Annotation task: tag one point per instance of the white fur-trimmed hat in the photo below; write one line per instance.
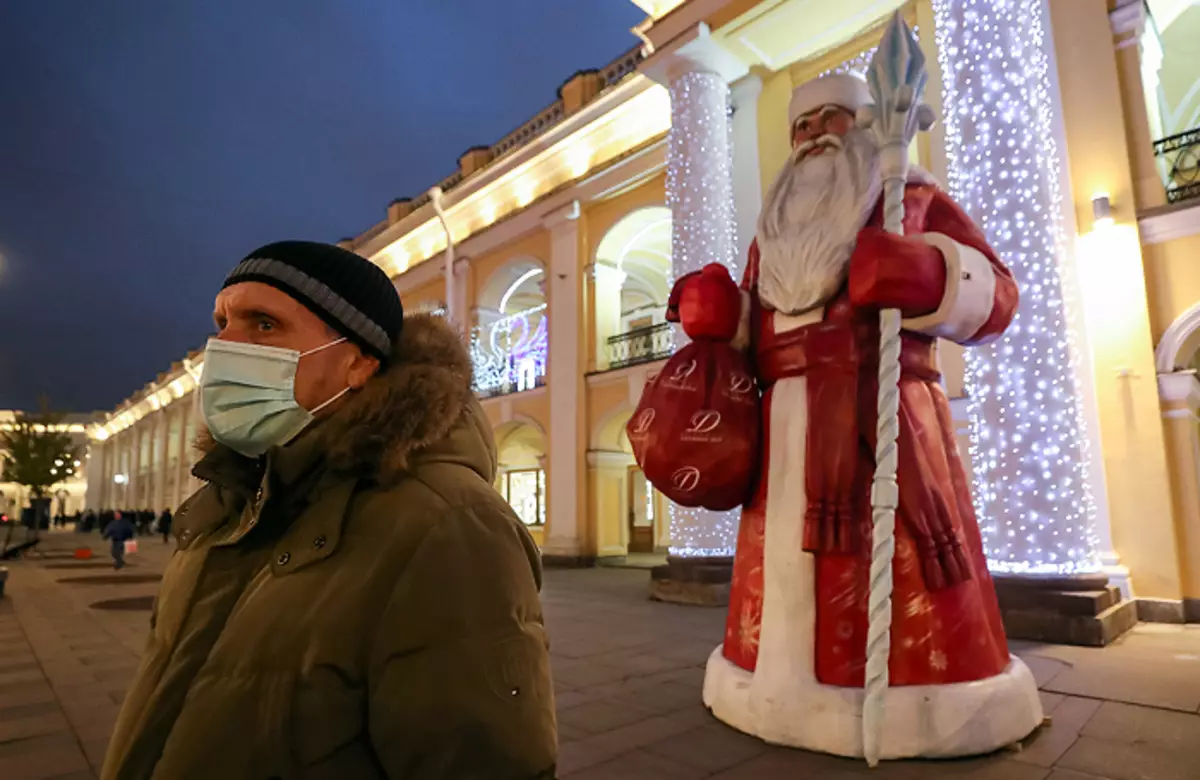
(839, 89)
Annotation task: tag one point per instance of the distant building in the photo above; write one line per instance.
(14, 497)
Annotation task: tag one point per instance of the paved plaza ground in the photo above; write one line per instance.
(627, 672)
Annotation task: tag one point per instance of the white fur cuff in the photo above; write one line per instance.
(969, 296)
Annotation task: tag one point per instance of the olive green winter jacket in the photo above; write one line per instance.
(358, 604)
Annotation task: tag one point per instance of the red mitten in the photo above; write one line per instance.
(888, 271)
(707, 303)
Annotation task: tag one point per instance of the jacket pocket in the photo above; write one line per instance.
(329, 727)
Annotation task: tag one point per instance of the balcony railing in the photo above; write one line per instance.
(509, 355)
(642, 345)
(1180, 155)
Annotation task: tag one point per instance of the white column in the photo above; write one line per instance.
(133, 481)
(158, 461)
(95, 471)
(1033, 436)
(747, 176)
(607, 281)
(567, 491)
(459, 303)
(701, 195)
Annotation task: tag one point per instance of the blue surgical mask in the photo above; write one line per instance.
(248, 395)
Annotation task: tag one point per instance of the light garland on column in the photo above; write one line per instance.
(700, 195)
(1029, 447)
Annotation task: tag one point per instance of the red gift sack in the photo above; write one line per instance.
(695, 433)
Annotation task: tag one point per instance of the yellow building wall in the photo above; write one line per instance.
(535, 244)
(602, 215)
(1172, 279)
(604, 400)
(1116, 312)
(774, 142)
(432, 292)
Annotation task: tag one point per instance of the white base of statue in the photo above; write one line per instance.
(925, 721)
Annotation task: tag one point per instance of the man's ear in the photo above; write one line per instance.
(362, 368)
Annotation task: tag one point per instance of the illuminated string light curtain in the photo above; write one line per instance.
(510, 354)
(700, 195)
(1029, 448)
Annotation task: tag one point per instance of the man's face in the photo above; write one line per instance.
(256, 313)
(826, 120)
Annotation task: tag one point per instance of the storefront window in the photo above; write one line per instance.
(525, 491)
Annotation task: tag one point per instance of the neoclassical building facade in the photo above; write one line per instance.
(1070, 131)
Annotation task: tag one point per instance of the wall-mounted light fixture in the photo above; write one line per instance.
(1101, 211)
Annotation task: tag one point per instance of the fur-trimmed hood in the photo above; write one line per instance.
(419, 408)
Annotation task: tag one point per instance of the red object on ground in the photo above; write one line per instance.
(696, 431)
(83, 553)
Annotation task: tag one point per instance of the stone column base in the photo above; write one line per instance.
(700, 582)
(567, 561)
(1077, 610)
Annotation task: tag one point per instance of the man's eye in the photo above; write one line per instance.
(802, 126)
(266, 326)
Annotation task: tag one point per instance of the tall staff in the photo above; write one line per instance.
(896, 80)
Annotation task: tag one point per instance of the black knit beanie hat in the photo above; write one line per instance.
(350, 293)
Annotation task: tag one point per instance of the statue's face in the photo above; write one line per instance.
(826, 120)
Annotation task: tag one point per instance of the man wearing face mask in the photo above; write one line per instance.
(350, 597)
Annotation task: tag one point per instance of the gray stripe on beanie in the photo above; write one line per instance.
(320, 294)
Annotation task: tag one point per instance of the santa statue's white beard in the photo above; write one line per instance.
(811, 219)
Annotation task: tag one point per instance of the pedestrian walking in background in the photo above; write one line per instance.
(119, 531)
(164, 525)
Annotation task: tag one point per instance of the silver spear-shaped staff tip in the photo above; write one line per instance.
(896, 80)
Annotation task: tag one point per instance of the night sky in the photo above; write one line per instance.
(147, 145)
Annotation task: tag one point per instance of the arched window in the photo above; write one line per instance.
(632, 280)
(509, 343)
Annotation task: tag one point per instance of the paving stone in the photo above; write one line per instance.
(599, 748)
(1050, 701)
(604, 715)
(21, 694)
(1048, 744)
(1071, 774)
(19, 664)
(17, 712)
(665, 698)
(94, 750)
(639, 765)
(30, 673)
(1156, 684)
(14, 729)
(1044, 669)
(784, 764)
(46, 764)
(1125, 761)
(37, 744)
(1128, 723)
(712, 747)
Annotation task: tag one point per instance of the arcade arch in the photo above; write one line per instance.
(521, 469)
(629, 515)
(632, 280)
(509, 342)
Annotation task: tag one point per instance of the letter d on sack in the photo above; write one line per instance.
(704, 421)
(642, 422)
(686, 479)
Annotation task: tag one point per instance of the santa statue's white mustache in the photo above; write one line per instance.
(832, 140)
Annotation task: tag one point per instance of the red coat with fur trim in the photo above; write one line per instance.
(948, 283)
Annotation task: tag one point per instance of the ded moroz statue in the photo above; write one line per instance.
(791, 668)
